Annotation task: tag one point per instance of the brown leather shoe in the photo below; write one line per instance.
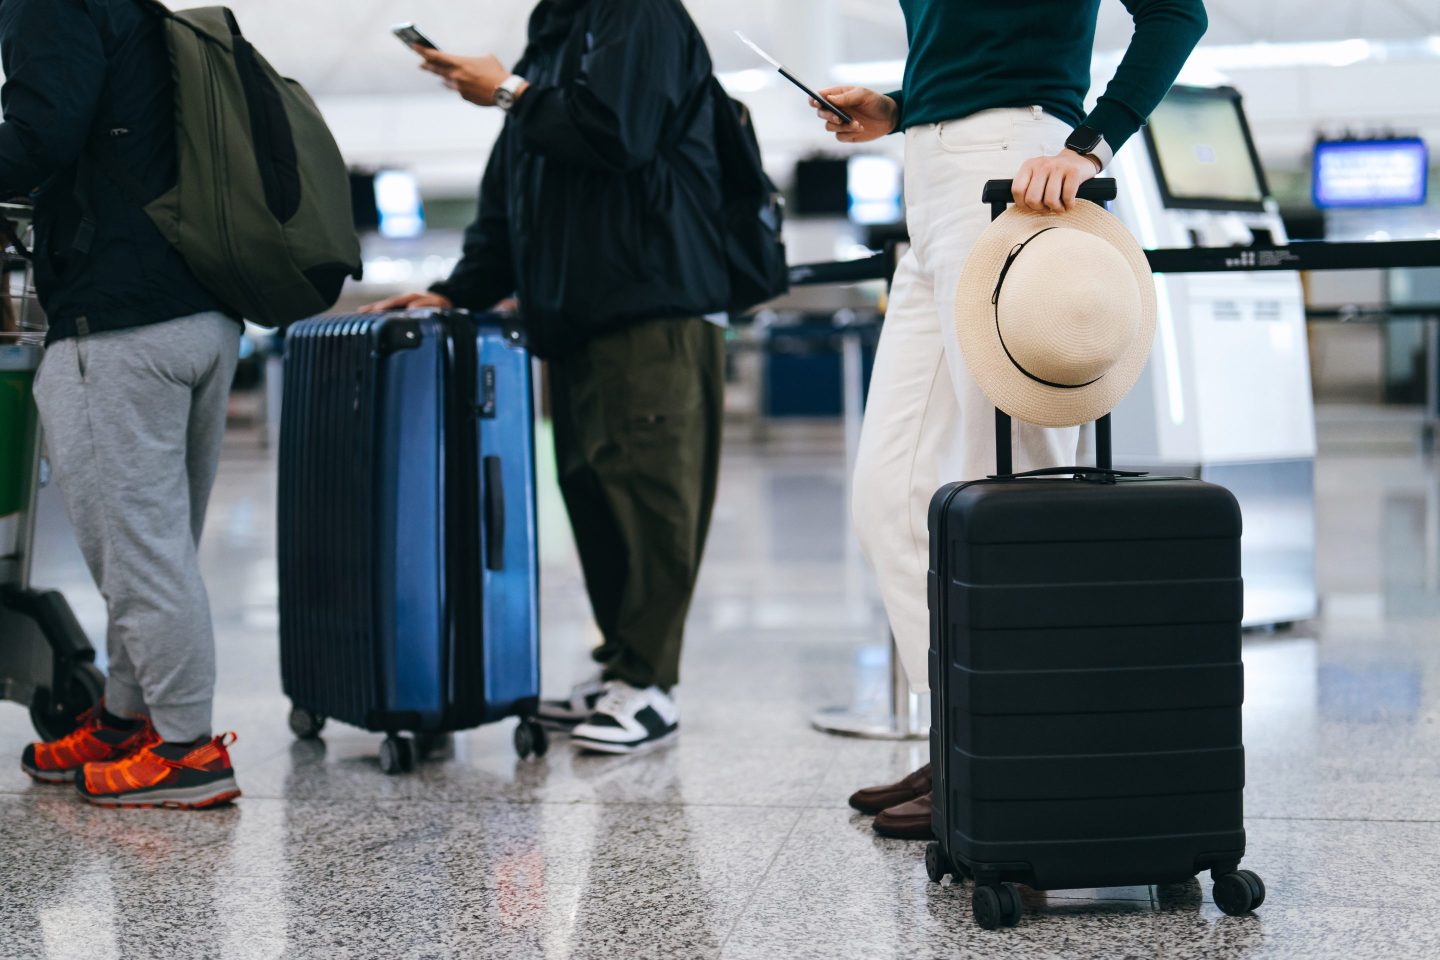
(909, 821)
(872, 800)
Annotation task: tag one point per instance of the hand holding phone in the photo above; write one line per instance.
(874, 115)
(412, 37)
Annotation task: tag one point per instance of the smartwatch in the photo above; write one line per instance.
(1088, 142)
(509, 92)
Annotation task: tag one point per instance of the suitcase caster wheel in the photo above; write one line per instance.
(986, 906)
(397, 756)
(305, 724)
(1011, 906)
(1239, 893)
(531, 740)
(997, 906)
(54, 714)
(935, 865)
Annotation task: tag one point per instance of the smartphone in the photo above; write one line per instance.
(412, 37)
(844, 117)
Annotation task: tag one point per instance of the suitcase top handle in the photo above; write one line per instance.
(1100, 190)
(1091, 474)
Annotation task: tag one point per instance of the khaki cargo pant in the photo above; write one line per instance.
(638, 419)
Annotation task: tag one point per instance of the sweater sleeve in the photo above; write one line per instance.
(1166, 31)
(54, 75)
(612, 115)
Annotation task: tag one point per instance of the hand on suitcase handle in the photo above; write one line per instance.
(410, 301)
(1098, 190)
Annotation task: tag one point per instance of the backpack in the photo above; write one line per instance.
(753, 211)
(261, 213)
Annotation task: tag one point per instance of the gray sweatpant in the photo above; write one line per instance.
(134, 421)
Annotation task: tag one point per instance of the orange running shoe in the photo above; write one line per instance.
(92, 742)
(159, 775)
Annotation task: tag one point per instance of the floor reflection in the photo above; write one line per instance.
(738, 843)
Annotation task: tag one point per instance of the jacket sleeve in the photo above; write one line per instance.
(54, 76)
(1166, 31)
(612, 115)
(485, 274)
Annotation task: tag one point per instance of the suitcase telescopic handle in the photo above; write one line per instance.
(997, 194)
(1005, 456)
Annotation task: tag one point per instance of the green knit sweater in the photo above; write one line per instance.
(973, 55)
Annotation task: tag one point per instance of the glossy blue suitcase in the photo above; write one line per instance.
(408, 574)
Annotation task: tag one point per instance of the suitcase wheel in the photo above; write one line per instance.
(1239, 893)
(54, 713)
(397, 755)
(936, 863)
(997, 905)
(306, 724)
(531, 740)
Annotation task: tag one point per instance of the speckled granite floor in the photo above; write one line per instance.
(737, 842)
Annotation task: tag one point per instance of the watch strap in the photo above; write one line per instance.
(509, 91)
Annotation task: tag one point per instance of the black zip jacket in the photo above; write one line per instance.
(601, 203)
(89, 76)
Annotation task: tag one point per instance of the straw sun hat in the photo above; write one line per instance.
(1055, 314)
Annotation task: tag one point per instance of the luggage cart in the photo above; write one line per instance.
(46, 661)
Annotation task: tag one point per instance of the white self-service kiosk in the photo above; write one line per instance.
(1227, 395)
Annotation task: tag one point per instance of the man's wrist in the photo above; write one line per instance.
(509, 92)
(1099, 165)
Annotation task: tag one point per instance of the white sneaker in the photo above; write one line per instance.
(566, 715)
(627, 720)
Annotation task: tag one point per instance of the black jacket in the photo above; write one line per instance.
(601, 204)
(88, 76)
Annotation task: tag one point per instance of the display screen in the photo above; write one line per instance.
(876, 191)
(1203, 153)
(1371, 173)
(397, 197)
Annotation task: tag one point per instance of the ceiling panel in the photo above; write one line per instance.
(339, 47)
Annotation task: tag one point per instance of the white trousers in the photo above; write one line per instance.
(926, 420)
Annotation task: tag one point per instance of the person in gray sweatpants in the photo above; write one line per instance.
(132, 391)
(134, 422)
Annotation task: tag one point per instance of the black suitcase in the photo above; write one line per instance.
(1086, 683)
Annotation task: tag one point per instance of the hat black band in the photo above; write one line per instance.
(995, 302)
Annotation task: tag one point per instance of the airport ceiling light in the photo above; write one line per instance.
(1251, 56)
(1337, 53)
(878, 74)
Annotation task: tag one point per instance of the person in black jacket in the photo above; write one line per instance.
(133, 389)
(601, 211)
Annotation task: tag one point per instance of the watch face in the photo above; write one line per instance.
(504, 99)
(1084, 139)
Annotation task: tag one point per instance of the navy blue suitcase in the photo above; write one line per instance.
(408, 572)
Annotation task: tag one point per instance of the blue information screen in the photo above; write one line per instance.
(1371, 173)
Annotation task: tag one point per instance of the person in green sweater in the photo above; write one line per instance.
(994, 89)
